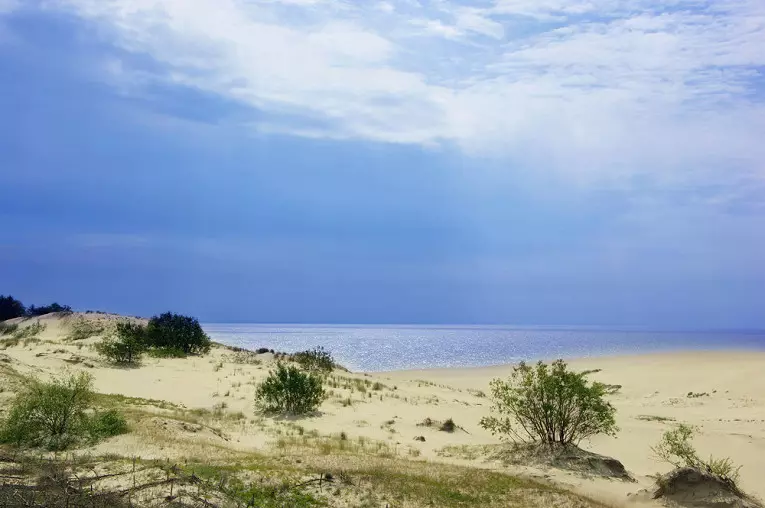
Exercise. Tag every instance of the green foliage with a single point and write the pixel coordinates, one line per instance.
(47, 309)
(316, 360)
(127, 346)
(290, 390)
(55, 415)
(10, 308)
(550, 404)
(180, 335)
(49, 414)
(676, 449)
(107, 424)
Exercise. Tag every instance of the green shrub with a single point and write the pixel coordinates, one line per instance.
(549, 404)
(127, 345)
(57, 414)
(290, 390)
(107, 424)
(49, 414)
(676, 449)
(10, 308)
(177, 334)
(316, 360)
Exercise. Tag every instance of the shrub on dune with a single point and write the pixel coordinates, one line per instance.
(316, 360)
(549, 404)
(127, 346)
(177, 334)
(290, 390)
(57, 414)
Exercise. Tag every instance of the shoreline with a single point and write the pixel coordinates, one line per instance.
(721, 391)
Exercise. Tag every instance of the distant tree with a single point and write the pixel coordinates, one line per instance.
(47, 309)
(550, 404)
(127, 345)
(177, 333)
(10, 308)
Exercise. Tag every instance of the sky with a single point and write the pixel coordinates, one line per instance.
(548, 162)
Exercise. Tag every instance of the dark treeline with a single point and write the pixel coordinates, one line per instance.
(11, 308)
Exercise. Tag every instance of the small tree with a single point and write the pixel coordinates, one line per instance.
(128, 344)
(50, 414)
(316, 360)
(290, 390)
(176, 333)
(11, 308)
(676, 449)
(549, 404)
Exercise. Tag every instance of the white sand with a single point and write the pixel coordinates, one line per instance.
(731, 418)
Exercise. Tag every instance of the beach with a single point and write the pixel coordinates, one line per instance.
(722, 393)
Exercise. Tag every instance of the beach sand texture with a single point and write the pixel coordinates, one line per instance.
(722, 393)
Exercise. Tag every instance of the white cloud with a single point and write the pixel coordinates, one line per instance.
(593, 88)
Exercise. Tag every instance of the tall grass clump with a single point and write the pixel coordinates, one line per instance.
(549, 404)
(289, 390)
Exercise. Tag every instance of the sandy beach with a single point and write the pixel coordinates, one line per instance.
(722, 393)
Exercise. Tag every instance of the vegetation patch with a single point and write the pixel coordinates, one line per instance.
(289, 390)
(549, 404)
(57, 415)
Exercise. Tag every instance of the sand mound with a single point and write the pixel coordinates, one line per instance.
(697, 489)
(568, 457)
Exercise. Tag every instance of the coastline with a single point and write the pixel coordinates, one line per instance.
(388, 408)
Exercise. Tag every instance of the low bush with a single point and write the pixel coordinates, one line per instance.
(128, 344)
(676, 449)
(57, 414)
(290, 390)
(107, 424)
(550, 404)
(177, 335)
(316, 360)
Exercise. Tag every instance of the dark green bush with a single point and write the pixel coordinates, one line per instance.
(316, 360)
(550, 404)
(128, 344)
(107, 424)
(177, 334)
(10, 308)
(290, 390)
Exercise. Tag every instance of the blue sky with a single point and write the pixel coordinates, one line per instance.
(501, 161)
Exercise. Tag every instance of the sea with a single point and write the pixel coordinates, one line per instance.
(371, 348)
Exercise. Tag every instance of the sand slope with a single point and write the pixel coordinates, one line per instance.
(385, 410)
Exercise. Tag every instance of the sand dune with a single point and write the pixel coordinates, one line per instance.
(385, 411)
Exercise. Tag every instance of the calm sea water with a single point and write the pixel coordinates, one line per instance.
(379, 348)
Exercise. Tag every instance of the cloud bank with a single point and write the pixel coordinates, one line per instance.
(600, 89)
